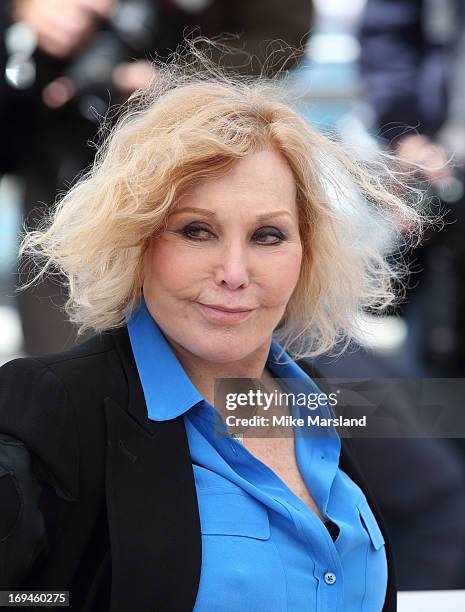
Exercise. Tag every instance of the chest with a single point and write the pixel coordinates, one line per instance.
(279, 455)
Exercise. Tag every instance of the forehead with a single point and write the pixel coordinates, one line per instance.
(262, 180)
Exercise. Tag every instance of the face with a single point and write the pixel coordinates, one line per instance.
(233, 244)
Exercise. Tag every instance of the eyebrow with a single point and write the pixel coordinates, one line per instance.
(211, 213)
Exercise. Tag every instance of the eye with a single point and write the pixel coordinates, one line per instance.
(195, 232)
(269, 236)
(265, 236)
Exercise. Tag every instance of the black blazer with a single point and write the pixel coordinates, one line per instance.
(88, 504)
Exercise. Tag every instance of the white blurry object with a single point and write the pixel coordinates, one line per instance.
(11, 193)
(382, 334)
(430, 601)
(20, 43)
(11, 335)
(347, 11)
(20, 38)
(339, 48)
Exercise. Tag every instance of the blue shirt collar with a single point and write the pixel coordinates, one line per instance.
(168, 390)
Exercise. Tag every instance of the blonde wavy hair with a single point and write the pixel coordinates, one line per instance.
(191, 124)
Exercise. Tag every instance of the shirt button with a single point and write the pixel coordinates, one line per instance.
(330, 578)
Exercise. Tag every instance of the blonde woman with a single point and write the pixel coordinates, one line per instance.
(215, 232)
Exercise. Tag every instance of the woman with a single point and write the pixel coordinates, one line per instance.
(215, 232)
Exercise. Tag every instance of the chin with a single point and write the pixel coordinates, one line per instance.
(219, 350)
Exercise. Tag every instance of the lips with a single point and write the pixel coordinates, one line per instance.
(227, 308)
(223, 314)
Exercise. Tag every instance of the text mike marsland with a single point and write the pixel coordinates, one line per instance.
(290, 421)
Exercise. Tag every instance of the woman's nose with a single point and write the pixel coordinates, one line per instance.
(232, 267)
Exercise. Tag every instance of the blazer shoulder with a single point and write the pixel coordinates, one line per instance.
(84, 367)
(47, 402)
(98, 344)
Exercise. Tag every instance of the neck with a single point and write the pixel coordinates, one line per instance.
(203, 373)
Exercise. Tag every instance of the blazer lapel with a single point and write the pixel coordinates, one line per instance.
(152, 505)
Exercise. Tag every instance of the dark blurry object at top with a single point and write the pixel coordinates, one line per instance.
(59, 53)
(86, 55)
(412, 59)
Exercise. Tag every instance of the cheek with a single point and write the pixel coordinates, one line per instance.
(282, 277)
(168, 268)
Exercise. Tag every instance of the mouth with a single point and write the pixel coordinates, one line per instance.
(220, 315)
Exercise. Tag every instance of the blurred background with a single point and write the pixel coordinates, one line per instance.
(382, 74)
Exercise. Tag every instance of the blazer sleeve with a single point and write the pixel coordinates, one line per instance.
(22, 532)
(38, 465)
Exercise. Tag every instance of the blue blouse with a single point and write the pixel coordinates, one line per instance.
(263, 548)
